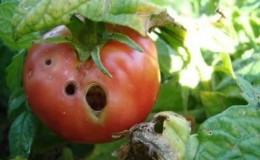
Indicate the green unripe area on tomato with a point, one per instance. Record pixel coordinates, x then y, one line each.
78 101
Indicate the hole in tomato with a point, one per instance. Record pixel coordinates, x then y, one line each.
70 89
48 61
96 97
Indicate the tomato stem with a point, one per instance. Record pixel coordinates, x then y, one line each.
90 30
85 36
88 38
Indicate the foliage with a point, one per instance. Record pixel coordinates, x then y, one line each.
203 75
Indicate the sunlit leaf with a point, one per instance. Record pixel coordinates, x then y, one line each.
169 61
226 65
34 15
6 32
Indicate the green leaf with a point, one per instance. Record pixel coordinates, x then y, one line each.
95 54
81 150
250 93
216 102
67 154
45 139
173 33
16 100
35 15
192 146
226 65
233 134
77 26
6 56
248 68
169 98
123 39
169 61
59 39
15 71
103 151
21 135
6 14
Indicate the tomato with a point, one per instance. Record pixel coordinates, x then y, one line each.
79 102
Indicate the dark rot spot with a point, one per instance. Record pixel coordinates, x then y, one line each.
48 62
96 97
70 89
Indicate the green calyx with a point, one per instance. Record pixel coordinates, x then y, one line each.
84 36
89 37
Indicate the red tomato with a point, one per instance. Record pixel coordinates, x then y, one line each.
79 102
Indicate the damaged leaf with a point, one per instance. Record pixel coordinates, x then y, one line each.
164 138
141 15
232 134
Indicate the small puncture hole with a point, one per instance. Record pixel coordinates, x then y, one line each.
48 61
70 89
96 97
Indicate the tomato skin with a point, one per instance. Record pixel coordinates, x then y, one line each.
130 93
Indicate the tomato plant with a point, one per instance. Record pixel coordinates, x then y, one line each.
81 103
207 106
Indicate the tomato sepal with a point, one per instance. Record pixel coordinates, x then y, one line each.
95 55
123 39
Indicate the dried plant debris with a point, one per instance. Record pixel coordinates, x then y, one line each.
151 140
